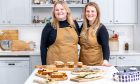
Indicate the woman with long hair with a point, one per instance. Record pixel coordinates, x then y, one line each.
60 37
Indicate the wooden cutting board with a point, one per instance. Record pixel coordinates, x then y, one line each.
9 35
19 45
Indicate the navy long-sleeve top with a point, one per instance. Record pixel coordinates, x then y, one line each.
49 36
103 39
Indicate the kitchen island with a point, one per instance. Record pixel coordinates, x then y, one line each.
107 77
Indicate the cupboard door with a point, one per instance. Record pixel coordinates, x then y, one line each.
128 61
15 12
18 12
34 60
2 12
106 9
112 60
125 11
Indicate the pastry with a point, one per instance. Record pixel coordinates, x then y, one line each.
58 75
59 64
79 64
70 64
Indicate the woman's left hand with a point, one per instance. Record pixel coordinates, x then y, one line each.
106 63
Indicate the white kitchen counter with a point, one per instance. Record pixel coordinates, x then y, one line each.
107 79
127 53
37 52
5 53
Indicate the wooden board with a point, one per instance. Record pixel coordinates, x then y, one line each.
53 66
9 35
47 76
19 45
77 79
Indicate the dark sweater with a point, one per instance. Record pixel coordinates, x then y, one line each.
49 36
103 40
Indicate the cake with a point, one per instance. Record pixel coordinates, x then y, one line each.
58 75
79 64
59 64
70 64
45 71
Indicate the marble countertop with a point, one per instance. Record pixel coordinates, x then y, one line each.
107 77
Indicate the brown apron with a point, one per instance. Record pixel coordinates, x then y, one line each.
91 51
65 46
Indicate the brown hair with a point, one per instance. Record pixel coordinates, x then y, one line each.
55 22
97 20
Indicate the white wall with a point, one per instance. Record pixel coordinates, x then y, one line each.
27 33
31 33
125 33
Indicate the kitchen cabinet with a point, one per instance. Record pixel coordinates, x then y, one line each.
125 11
15 12
42 12
124 60
13 69
112 11
128 60
106 9
34 60
118 11
112 60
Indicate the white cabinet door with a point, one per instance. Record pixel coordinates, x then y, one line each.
2 11
106 9
118 11
128 60
112 60
13 72
15 12
34 60
125 11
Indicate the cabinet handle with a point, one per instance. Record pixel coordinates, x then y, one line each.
110 21
3 21
9 22
116 20
11 64
121 57
112 57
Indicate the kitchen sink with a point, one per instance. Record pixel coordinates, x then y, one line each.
126 68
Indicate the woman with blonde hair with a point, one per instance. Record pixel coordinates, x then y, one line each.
94 38
60 37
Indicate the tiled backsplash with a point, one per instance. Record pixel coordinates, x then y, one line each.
33 33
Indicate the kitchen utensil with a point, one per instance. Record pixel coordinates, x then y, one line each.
5 44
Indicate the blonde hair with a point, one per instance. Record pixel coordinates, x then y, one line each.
54 20
97 20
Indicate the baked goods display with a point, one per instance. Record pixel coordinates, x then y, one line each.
78 71
51 74
87 76
59 64
79 64
127 75
70 64
58 76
